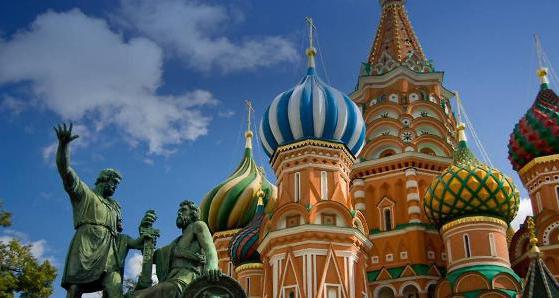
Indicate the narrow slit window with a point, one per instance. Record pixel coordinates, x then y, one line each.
387 219
297 187
539 201
492 244
557 194
248 286
467 248
324 185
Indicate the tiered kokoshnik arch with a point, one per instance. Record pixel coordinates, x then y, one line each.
410 138
534 154
473 204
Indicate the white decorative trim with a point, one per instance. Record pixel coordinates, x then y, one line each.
413 196
404 255
358 182
411 172
359 194
411 184
315 228
547 232
407 283
415 220
360 206
414 210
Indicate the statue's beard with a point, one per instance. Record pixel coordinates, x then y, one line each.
183 222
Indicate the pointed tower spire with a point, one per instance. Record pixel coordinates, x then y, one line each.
248 133
540 282
395 42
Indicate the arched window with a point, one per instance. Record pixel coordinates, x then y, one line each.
297 187
387 152
431 291
386 292
428 151
410 291
467 248
324 185
387 219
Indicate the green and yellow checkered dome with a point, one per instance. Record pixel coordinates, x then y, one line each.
469 187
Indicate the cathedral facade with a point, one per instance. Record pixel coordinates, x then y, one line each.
378 193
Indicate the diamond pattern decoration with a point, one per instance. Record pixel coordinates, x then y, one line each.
469 187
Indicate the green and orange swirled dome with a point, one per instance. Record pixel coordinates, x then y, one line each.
537 133
469 187
232 204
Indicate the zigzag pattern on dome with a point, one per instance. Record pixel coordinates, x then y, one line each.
537 133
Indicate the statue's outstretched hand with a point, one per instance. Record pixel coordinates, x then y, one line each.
64 133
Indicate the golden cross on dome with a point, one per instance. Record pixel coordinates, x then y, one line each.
312 27
311 51
250 109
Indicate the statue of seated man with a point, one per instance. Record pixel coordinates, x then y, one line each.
189 256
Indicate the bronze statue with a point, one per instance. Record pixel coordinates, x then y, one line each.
189 257
95 259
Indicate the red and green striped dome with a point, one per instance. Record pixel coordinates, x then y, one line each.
242 249
537 133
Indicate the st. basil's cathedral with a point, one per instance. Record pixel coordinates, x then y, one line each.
378 194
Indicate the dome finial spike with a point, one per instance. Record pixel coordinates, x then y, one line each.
311 51
542 71
248 133
534 249
461 130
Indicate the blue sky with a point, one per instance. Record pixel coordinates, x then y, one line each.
157 91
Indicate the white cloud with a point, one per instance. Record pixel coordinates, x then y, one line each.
193 31
12 104
133 266
524 210
77 67
37 248
226 114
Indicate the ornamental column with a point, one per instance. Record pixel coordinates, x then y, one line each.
412 197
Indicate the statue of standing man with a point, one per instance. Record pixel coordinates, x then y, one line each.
95 259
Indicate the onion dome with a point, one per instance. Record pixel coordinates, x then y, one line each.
469 187
232 204
243 246
540 282
312 110
536 134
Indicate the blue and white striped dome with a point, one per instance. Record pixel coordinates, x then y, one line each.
312 110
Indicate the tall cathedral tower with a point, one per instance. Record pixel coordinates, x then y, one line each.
313 244
534 154
410 138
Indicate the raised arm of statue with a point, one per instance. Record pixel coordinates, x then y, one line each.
69 177
206 242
